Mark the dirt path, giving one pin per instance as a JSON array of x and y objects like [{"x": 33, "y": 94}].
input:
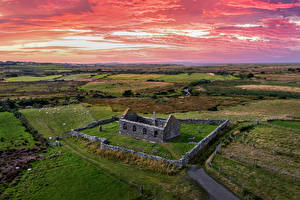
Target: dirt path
[{"x": 214, "y": 189}]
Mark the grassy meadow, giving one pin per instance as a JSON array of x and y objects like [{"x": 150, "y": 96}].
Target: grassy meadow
[
  {"x": 13, "y": 134},
  {"x": 117, "y": 87},
  {"x": 67, "y": 176},
  {"x": 32, "y": 78},
  {"x": 185, "y": 77},
  {"x": 263, "y": 161},
  {"x": 58, "y": 120}
]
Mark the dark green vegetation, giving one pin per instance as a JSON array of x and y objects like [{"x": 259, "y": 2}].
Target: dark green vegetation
[
  {"x": 13, "y": 134},
  {"x": 257, "y": 161}
]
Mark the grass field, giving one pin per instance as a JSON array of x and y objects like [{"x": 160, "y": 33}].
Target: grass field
[
  {"x": 257, "y": 110},
  {"x": 185, "y": 77},
  {"x": 117, "y": 87},
  {"x": 263, "y": 161},
  {"x": 37, "y": 89},
  {"x": 75, "y": 77},
  {"x": 12, "y": 133},
  {"x": 66, "y": 176},
  {"x": 32, "y": 78},
  {"x": 171, "y": 150},
  {"x": 143, "y": 77},
  {"x": 286, "y": 123},
  {"x": 58, "y": 120},
  {"x": 270, "y": 87}
]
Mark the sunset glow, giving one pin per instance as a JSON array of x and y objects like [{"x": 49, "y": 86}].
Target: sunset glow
[{"x": 203, "y": 31}]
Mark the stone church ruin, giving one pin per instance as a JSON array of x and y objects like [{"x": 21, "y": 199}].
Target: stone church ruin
[{"x": 151, "y": 128}]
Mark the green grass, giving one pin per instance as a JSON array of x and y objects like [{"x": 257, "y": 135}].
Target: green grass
[
  {"x": 58, "y": 120},
  {"x": 32, "y": 78},
  {"x": 263, "y": 161},
  {"x": 135, "y": 76},
  {"x": 256, "y": 180},
  {"x": 75, "y": 77},
  {"x": 101, "y": 112},
  {"x": 12, "y": 133},
  {"x": 68, "y": 176},
  {"x": 185, "y": 77},
  {"x": 101, "y": 76},
  {"x": 117, "y": 87},
  {"x": 171, "y": 150},
  {"x": 286, "y": 123}
]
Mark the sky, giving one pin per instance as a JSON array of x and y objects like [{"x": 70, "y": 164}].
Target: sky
[{"x": 153, "y": 31}]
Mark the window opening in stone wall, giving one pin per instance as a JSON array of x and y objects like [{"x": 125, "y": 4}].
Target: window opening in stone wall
[
  {"x": 134, "y": 128},
  {"x": 125, "y": 126},
  {"x": 155, "y": 133},
  {"x": 144, "y": 131}
]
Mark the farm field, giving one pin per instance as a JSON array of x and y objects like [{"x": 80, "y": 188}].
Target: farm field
[
  {"x": 116, "y": 88},
  {"x": 63, "y": 175},
  {"x": 185, "y": 77},
  {"x": 37, "y": 89},
  {"x": 58, "y": 120},
  {"x": 270, "y": 87},
  {"x": 13, "y": 134},
  {"x": 142, "y": 77},
  {"x": 171, "y": 150},
  {"x": 75, "y": 77},
  {"x": 286, "y": 123},
  {"x": 32, "y": 78},
  {"x": 263, "y": 162}
]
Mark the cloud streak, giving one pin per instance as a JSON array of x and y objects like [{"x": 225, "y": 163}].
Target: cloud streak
[{"x": 150, "y": 30}]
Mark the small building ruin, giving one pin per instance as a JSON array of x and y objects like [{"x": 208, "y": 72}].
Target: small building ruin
[{"x": 151, "y": 128}]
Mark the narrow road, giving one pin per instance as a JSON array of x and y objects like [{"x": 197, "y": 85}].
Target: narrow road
[{"x": 214, "y": 189}]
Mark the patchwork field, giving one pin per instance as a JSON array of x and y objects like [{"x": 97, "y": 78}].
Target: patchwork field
[
  {"x": 185, "y": 77},
  {"x": 269, "y": 87},
  {"x": 13, "y": 134},
  {"x": 170, "y": 150},
  {"x": 263, "y": 161},
  {"x": 32, "y": 78},
  {"x": 116, "y": 88},
  {"x": 76, "y": 77},
  {"x": 37, "y": 89},
  {"x": 58, "y": 120},
  {"x": 143, "y": 77},
  {"x": 62, "y": 175}
]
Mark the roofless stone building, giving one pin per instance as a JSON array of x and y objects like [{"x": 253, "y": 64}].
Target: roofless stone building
[{"x": 151, "y": 128}]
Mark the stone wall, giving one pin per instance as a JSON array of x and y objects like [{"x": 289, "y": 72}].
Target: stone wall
[
  {"x": 180, "y": 163},
  {"x": 202, "y": 121},
  {"x": 97, "y": 123},
  {"x": 190, "y": 155}
]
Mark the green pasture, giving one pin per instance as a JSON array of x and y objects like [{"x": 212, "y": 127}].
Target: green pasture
[
  {"x": 143, "y": 77},
  {"x": 185, "y": 77},
  {"x": 32, "y": 78},
  {"x": 116, "y": 88},
  {"x": 263, "y": 161},
  {"x": 12, "y": 133},
  {"x": 75, "y": 77},
  {"x": 67, "y": 176},
  {"x": 286, "y": 123},
  {"x": 171, "y": 150},
  {"x": 58, "y": 120}
]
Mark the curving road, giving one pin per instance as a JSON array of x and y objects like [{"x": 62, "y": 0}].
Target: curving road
[{"x": 214, "y": 189}]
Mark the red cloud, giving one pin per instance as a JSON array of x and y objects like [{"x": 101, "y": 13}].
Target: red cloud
[{"x": 149, "y": 30}]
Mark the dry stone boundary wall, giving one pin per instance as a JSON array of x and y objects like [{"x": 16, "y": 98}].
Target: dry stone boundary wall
[{"x": 183, "y": 161}]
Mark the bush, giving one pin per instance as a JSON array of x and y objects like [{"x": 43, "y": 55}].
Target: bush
[{"x": 127, "y": 93}]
